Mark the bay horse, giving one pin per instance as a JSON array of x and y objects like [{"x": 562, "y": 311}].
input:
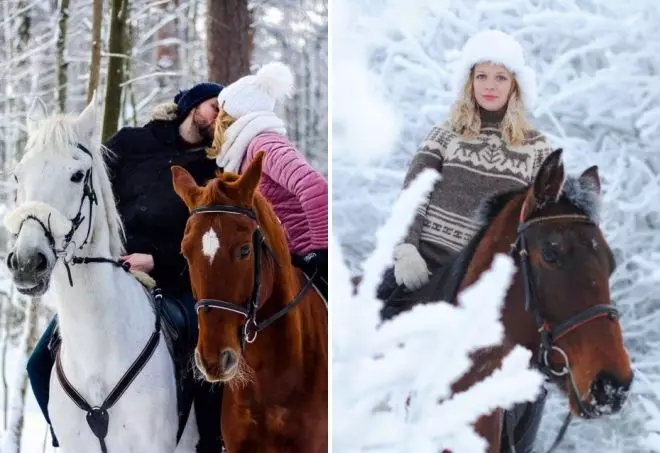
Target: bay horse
[
  {"x": 558, "y": 305},
  {"x": 274, "y": 370},
  {"x": 113, "y": 389}
]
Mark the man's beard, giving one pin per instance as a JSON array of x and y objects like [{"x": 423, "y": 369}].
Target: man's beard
[{"x": 205, "y": 131}]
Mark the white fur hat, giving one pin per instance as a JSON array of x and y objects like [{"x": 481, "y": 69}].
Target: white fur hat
[
  {"x": 500, "y": 48},
  {"x": 257, "y": 92}
]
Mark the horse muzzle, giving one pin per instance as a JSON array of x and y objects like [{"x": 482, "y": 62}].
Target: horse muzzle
[
  {"x": 223, "y": 369},
  {"x": 607, "y": 395},
  {"x": 31, "y": 270}
]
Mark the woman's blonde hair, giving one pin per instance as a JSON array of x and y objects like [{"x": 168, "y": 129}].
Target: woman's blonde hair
[
  {"x": 222, "y": 122},
  {"x": 465, "y": 119}
]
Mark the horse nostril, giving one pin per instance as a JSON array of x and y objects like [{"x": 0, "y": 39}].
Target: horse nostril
[
  {"x": 41, "y": 262},
  {"x": 227, "y": 360},
  {"x": 12, "y": 261},
  {"x": 609, "y": 391}
]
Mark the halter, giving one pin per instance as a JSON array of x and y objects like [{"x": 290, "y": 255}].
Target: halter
[
  {"x": 66, "y": 253},
  {"x": 550, "y": 334},
  {"x": 252, "y": 327}
]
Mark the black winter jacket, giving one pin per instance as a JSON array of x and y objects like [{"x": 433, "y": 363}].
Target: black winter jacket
[{"x": 154, "y": 216}]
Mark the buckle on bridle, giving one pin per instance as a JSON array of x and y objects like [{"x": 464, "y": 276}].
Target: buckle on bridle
[{"x": 67, "y": 253}]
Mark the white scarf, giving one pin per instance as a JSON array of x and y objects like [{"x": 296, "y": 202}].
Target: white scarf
[{"x": 241, "y": 132}]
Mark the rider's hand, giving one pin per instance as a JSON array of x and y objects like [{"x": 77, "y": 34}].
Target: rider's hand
[
  {"x": 409, "y": 267},
  {"x": 139, "y": 261}
]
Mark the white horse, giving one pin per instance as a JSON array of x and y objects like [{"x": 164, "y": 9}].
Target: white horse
[{"x": 66, "y": 208}]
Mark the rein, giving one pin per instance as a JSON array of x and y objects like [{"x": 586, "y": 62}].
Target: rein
[
  {"x": 252, "y": 327},
  {"x": 549, "y": 335}
]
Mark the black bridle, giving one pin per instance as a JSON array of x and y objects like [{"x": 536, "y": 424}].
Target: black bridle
[
  {"x": 248, "y": 310},
  {"x": 97, "y": 417},
  {"x": 550, "y": 335},
  {"x": 66, "y": 253}
]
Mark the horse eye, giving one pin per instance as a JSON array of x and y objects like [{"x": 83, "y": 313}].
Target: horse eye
[
  {"x": 77, "y": 176},
  {"x": 550, "y": 252},
  {"x": 245, "y": 251}
]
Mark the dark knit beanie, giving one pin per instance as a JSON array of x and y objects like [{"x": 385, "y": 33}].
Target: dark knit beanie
[{"x": 186, "y": 100}]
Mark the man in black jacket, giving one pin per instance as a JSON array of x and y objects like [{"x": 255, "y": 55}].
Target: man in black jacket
[{"x": 154, "y": 220}]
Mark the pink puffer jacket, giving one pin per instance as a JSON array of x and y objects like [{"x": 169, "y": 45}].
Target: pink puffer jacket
[{"x": 298, "y": 193}]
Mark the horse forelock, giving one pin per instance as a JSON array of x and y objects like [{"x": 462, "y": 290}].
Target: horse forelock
[{"x": 57, "y": 136}]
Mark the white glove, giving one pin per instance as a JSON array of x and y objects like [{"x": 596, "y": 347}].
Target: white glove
[{"x": 410, "y": 269}]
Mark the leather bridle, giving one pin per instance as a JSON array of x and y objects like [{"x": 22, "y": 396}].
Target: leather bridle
[
  {"x": 550, "y": 334},
  {"x": 249, "y": 331}
]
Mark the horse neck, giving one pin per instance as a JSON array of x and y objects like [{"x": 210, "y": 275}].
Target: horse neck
[
  {"x": 519, "y": 325},
  {"x": 105, "y": 310},
  {"x": 288, "y": 335}
]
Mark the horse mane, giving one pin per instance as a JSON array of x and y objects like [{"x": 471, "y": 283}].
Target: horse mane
[
  {"x": 577, "y": 192},
  {"x": 57, "y": 134}
]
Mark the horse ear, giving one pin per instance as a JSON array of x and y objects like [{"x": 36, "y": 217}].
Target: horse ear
[
  {"x": 591, "y": 178},
  {"x": 38, "y": 112},
  {"x": 185, "y": 186},
  {"x": 549, "y": 180},
  {"x": 250, "y": 178},
  {"x": 86, "y": 122}
]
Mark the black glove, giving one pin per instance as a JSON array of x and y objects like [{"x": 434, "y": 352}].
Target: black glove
[{"x": 319, "y": 260}]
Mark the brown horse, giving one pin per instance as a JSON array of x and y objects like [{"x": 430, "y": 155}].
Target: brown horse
[
  {"x": 558, "y": 305},
  {"x": 262, "y": 327}
]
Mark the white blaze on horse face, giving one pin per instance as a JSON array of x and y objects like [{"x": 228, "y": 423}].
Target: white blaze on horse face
[{"x": 210, "y": 244}]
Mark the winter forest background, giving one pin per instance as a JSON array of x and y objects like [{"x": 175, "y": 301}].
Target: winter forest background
[
  {"x": 598, "y": 69},
  {"x": 60, "y": 50}
]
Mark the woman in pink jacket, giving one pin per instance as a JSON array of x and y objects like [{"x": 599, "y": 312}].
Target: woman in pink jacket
[{"x": 246, "y": 124}]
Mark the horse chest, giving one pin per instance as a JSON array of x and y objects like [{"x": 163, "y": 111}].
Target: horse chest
[{"x": 138, "y": 420}]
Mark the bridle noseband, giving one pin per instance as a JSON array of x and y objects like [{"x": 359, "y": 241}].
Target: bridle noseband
[
  {"x": 549, "y": 335},
  {"x": 252, "y": 327}
]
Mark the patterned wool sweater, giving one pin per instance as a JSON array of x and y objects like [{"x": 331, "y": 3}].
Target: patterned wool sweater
[{"x": 472, "y": 170}]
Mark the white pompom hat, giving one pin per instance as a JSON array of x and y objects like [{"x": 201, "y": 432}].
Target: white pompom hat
[
  {"x": 497, "y": 47},
  {"x": 257, "y": 92}
]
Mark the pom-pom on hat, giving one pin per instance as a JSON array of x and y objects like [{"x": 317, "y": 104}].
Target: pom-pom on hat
[
  {"x": 497, "y": 47},
  {"x": 257, "y": 92}
]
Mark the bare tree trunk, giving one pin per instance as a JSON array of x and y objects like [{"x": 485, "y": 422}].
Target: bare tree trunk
[
  {"x": 229, "y": 39},
  {"x": 167, "y": 53},
  {"x": 23, "y": 42},
  {"x": 61, "y": 64},
  {"x": 115, "y": 68},
  {"x": 4, "y": 338},
  {"x": 95, "y": 63},
  {"x": 11, "y": 443}
]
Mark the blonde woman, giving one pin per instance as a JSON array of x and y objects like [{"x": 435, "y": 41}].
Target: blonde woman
[
  {"x": 247, "y": 124},
  {"x": 487, "y": 146}
]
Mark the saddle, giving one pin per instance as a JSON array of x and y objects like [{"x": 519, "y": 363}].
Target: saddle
[{"x": 180, "y": 341}]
